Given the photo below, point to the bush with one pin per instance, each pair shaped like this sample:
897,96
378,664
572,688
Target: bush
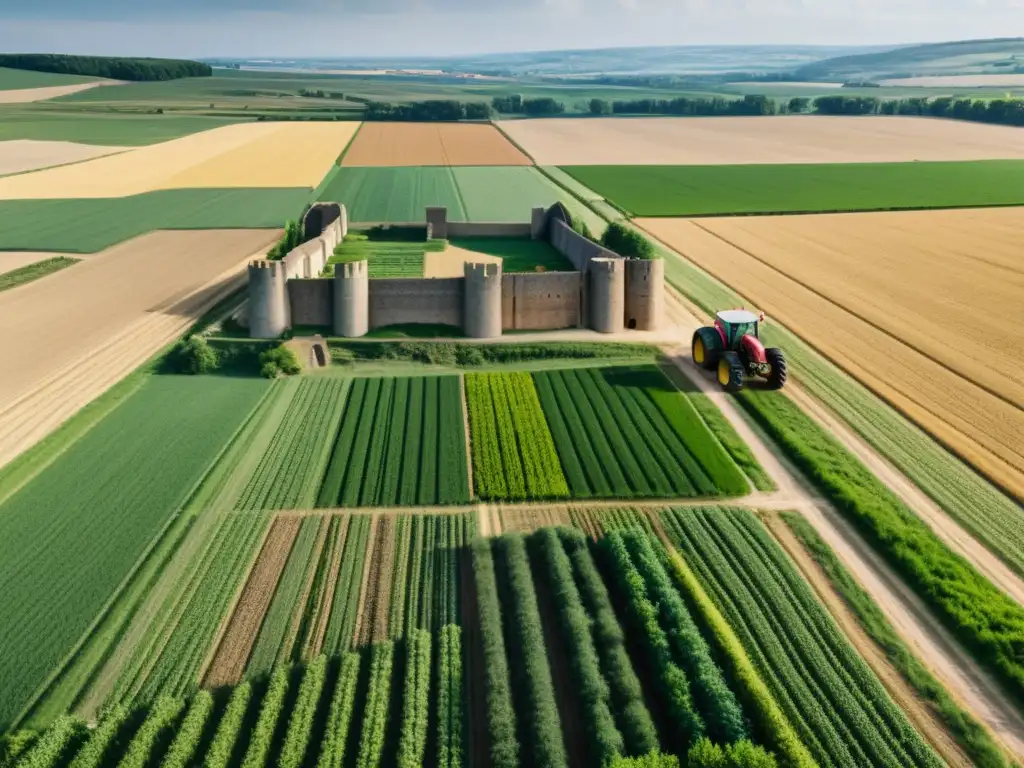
742,754
192,356
627,242
580,228
651,760
277,361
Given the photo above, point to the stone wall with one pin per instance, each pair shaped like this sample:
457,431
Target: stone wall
575,247
537,301
396,301
311,301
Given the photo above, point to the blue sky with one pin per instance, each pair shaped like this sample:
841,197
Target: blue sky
283,28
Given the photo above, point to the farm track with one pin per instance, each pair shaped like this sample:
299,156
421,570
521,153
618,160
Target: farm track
49,322
913,621
234,649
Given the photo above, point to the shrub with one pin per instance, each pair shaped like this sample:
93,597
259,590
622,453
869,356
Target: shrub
192,356
580,228
627,242
651,760
742,754
277,361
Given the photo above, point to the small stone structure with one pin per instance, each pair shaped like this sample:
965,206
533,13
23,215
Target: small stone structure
604,292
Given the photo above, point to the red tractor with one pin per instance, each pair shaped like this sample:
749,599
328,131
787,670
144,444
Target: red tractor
733,348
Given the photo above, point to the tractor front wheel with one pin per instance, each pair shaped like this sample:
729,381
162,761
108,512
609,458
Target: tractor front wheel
706,348
730,372
779,373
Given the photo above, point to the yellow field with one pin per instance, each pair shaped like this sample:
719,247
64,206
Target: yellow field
922,307
243,155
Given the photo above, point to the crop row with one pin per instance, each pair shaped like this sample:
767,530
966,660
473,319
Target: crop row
401,442
514,456
345,601
839,708
987,621
289,471
625,432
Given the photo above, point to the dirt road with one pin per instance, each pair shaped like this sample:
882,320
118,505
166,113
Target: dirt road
66,339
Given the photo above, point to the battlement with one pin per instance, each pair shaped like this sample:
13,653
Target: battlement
352,269
482,271
273,267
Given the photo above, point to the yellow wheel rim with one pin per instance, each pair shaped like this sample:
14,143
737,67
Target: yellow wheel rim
698,351
724,374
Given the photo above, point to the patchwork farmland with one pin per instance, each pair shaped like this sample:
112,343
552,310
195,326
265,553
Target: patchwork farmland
550,549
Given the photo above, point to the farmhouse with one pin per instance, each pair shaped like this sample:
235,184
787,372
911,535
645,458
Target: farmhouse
603,291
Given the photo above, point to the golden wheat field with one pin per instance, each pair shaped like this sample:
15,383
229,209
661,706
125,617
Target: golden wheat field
922,307
242,155
399,144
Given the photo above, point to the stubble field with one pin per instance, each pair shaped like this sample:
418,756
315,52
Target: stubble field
23,155
412,144
906,302
757,140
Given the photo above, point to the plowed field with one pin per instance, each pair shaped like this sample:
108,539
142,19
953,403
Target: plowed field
919,306
403,144
243,155
744,140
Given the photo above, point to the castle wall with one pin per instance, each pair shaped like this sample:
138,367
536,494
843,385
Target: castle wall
645,294
311,301
575,247
269,307
537,301
396,301
482,318
607,294
351,290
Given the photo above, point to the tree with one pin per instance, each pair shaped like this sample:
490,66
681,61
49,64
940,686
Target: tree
600,107
476,110
192,356
799,104
627,242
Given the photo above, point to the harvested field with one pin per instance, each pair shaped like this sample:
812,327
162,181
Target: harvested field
520,520
243,155
236,645
410,144
94,332
27,155
873,292
744,140
956,81
26,95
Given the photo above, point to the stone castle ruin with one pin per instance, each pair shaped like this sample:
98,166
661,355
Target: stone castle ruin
604,292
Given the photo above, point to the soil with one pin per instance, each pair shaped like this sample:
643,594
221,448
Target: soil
78,332
233,652
251,154
362,609
527,519
920,715
974,414
384,570
758,140
418,144
23,155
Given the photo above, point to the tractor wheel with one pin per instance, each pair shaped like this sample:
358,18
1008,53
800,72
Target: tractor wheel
777,360
706,348
730,372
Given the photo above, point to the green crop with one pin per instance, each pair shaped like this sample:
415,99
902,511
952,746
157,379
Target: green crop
51,745
375,710
186,740
412,743
450,698
339,718
270,712
300,722
342,621
219,753
394,195
159,718
91,753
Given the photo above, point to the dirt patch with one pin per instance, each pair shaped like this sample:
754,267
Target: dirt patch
23,155
78,332
263,154
236,645
452,260
756,140
526,519
920,716
26,95
384,571
415,144
866,290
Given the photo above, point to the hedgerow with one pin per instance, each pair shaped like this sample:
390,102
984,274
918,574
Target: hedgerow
627,698
527,655
605,740
988,622
301,722
501,717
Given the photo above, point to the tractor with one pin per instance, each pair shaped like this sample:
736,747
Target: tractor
732,348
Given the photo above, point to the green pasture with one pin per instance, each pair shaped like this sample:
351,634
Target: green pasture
16,79
88,226
748,189
45,123
517,254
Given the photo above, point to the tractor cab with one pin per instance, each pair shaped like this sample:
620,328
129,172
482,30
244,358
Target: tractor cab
734,324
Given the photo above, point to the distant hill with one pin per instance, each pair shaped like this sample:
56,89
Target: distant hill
965,57
113,67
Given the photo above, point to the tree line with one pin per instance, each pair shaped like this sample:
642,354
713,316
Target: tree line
116,68
997,111
437,110
748,105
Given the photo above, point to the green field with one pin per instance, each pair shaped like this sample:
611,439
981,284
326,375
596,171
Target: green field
45,122
31,272
745,189
386,258
517,254
504,194
15,79
88,226
70,536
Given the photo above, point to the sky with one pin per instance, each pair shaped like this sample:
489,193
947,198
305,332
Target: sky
359,28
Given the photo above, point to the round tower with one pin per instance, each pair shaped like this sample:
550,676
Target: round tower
645,294
269,314
482,318
607,294
351,299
